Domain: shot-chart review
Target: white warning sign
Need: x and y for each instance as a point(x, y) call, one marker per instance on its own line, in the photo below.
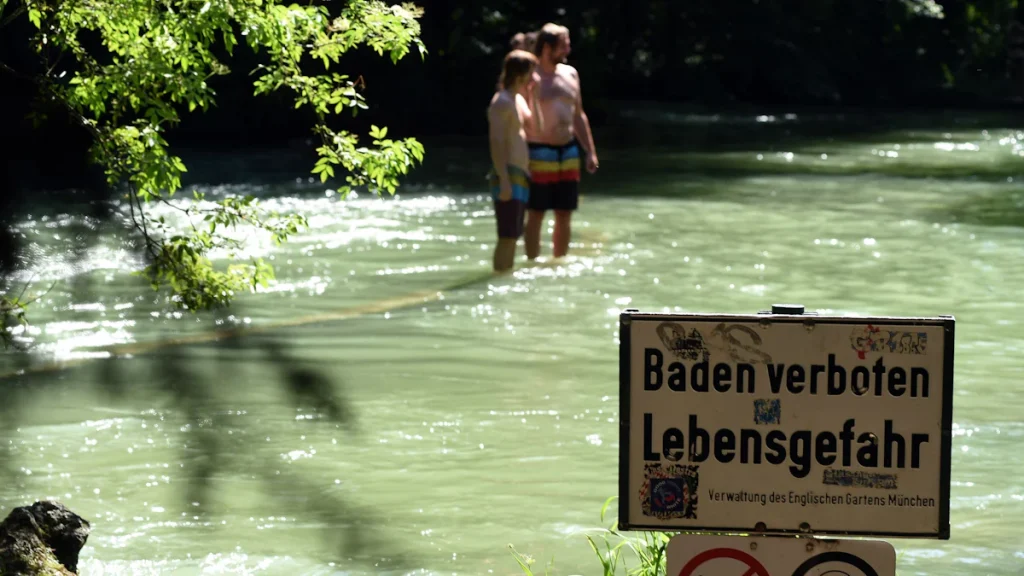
point(792, 423)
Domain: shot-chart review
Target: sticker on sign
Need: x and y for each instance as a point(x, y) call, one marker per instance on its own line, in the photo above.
point(786, 423)
point(698, 555)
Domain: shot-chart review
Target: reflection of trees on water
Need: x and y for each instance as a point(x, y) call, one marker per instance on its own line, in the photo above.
point(208, 451)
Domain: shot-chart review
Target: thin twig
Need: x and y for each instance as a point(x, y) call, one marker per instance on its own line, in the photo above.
point(12, 71)
point(186, 211)
point(142, 213)
point(60, 55)
point(43, 294)
point(25, 287)
point(135, 222)
point(178, 208)
point(10, 18)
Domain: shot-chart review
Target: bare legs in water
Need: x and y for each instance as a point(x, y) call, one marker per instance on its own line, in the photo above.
point(504, 255)
point(559, 238)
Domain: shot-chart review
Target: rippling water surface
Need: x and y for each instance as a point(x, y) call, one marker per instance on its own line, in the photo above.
point(484, 409)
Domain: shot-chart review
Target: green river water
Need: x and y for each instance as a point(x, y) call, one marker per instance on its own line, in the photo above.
point(485, 414)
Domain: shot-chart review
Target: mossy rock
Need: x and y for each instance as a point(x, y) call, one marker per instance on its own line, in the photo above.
point(43, 539)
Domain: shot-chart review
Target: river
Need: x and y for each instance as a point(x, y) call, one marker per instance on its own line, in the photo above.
point(435, 415)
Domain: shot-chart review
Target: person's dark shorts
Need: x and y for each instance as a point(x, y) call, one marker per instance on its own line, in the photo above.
point(554, 176)
point(510, 218)
point(509, 213)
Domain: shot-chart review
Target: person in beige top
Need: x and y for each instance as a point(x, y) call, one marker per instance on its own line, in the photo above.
point(560, 146)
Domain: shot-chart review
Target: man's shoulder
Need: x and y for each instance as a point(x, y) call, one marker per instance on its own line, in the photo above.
point(501, 102)
point(501, 107)
point(567, 69)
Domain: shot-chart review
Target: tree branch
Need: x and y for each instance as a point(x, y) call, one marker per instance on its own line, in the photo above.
point(32, 301)
point(10, 17)
point(13, 72)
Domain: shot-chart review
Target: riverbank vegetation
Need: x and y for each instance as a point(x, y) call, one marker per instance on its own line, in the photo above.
point(636, 554)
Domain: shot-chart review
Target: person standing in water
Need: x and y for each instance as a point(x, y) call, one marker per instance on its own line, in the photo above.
point(509, 115)
point(556, 149)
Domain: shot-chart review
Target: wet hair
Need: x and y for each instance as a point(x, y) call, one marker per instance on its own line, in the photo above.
point(517, 64)
point(549, 35)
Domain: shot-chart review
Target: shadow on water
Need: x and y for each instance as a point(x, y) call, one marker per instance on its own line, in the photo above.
point(673, 151)
point(666, 151)
point(177, 382)
point(725, 167)
point(645, 147)
point(998, 208)
point(213, 444)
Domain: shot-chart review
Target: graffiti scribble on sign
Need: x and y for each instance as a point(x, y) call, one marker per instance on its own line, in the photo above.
point(740, 352)
point(768, 411)
point(873, 339)
point(686, 345)
point(859, 479)
point(669, 491)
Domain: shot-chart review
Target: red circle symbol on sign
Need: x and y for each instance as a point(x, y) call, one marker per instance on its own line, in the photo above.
point(754, 568)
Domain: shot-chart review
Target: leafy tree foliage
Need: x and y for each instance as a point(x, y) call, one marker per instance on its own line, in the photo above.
point(127, 70)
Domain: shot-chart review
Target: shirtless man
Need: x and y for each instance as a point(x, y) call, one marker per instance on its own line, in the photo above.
point(556, 148)
point(508, 116)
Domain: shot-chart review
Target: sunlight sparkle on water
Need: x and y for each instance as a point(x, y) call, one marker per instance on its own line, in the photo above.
point(952, 146)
